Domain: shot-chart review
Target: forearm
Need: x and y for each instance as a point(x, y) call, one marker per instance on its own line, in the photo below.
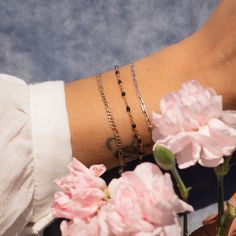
point(90, 129)
point(157, 75)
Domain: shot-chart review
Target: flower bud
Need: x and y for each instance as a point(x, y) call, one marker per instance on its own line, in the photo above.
point(163, 157)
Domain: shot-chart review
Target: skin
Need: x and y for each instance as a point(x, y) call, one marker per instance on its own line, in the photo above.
point(208, 55)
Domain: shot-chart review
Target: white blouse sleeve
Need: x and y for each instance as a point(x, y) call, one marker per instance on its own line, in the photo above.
point(35, 148)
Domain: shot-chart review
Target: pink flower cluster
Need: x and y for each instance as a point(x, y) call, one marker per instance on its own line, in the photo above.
point(193, 125)
point(83, 192)
point(139, 203)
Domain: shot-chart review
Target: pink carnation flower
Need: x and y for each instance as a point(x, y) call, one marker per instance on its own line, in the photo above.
point(83, 192)
point(143, 202)
point(193, 125)
point(79, 227)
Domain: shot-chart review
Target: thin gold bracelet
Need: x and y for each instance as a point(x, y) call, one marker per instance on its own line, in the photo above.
point(128, 109)
point(143, 107)
point(112, 125)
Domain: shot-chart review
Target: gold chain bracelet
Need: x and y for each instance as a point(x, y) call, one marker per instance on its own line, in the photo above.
point(128, 109)
point(112, 125)
point(143, 107)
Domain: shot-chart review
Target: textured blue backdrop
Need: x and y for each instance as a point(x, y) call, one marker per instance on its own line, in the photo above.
point(70, 39)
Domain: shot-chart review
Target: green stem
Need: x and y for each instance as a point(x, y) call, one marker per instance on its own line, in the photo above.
point(220, 194)
point(184, 193)
point(220, 172)
point(185, 233)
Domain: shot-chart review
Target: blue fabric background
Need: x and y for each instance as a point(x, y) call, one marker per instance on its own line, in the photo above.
point(70, 39)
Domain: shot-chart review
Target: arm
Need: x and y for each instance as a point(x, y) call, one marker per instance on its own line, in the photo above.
point(208, 55)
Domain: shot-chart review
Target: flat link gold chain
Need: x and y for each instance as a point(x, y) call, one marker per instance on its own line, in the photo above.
point(112, 124)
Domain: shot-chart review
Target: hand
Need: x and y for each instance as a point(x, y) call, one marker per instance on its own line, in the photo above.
point(210, 223)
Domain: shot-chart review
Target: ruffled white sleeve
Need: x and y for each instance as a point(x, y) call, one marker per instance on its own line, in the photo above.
point(35, 148)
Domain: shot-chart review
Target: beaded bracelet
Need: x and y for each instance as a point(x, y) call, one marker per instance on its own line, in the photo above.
point(128, 109)
point(143, 107)
point(112, 125)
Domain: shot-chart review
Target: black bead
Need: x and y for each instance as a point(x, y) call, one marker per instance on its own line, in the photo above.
point(133, 125)
point(139, 141)
point(123, 93)
point(119, 81)
point(117, 72)
point(127, 108)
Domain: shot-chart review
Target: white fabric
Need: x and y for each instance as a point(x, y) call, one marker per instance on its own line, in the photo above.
point(35, 148)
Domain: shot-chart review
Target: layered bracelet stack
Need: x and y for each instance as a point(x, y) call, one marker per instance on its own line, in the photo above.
point(139, 141)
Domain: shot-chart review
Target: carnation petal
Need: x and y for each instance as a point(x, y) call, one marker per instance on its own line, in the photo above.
point(148, 173)
point(179, 142)
point(210, 149)
point(82, 228)
point(224, 135)
point(173, 229)
point(147, 168)
point(97, 170)
point(210, 162)
point(188, 156)
point(229, 118)
point(221, 127)
point(209, 154)
point(64, 228)
point(156, 134)
point(184, 206)
point(215, 107)
point(155, 118)
point(84, 212)
point(77, 166)
point(166, 102)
